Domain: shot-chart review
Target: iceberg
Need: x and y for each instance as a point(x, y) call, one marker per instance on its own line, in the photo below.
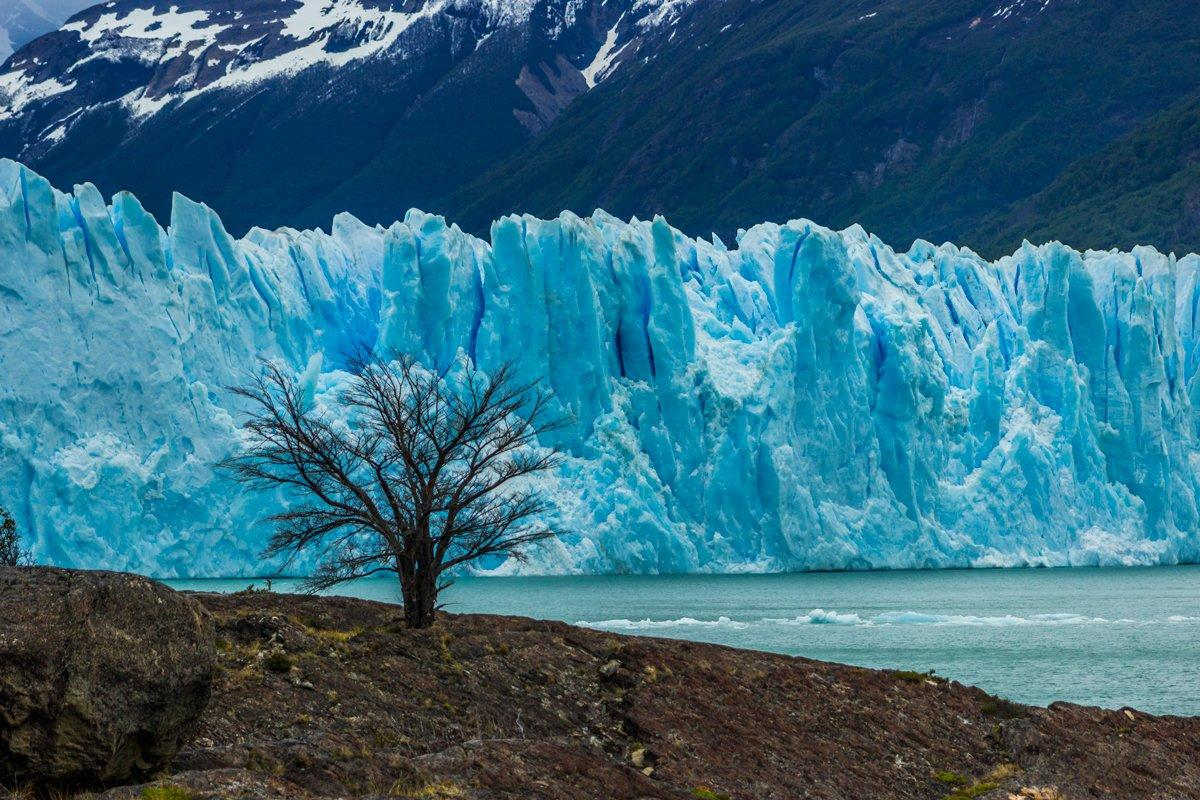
point(806, 399)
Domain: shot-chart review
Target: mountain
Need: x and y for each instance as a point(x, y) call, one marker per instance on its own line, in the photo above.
point(806, 399)
point(285, 111)
point(948, 120)
point(22, 21)
point(977, 121)
point(1145, 186)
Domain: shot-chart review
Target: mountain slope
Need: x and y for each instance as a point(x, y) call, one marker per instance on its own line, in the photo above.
point(285, 112)
point(1143, 187)
point(914, 119)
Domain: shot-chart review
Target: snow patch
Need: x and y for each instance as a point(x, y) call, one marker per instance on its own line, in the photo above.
point(596, 71)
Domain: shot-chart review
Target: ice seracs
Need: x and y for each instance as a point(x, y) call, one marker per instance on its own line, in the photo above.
point(805, 399)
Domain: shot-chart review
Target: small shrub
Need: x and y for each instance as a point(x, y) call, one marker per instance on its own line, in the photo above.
point(11, 554)
point(705, 793)
point(278, 661)
point(1001, 708)
point(255, 589)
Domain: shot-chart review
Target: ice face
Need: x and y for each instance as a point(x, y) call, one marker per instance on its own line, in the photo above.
point(810, 399)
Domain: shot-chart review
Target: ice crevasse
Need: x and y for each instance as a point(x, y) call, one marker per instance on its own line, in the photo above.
point(808, 399)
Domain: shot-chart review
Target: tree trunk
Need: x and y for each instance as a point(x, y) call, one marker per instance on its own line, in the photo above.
point(419, 587)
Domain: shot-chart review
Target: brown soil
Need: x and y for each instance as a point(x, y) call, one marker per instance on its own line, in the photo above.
point(331, 697)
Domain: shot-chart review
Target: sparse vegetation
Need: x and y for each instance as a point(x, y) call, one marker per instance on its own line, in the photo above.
point(967, 788)
point(1037, 793)
point(1003, 772)
point(31, 792)
point(437, 790)
point(972, 791)
point(165, 793)
point(952, 778)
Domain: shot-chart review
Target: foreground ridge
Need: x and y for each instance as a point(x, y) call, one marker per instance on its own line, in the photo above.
point(808, 399)
point(331, 697)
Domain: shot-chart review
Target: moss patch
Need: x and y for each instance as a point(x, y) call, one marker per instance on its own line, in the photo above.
point(165, 793)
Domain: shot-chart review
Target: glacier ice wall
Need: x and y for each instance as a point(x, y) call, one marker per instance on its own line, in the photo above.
point(808, 400)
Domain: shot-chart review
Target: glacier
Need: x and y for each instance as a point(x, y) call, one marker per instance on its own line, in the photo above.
point(806, 399)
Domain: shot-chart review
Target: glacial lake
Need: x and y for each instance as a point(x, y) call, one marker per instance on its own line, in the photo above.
point(1109, 637)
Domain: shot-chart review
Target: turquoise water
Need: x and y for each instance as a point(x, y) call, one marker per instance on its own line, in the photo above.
point(1109, 637)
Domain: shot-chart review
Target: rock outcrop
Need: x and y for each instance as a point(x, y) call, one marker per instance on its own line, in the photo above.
point(103, 676)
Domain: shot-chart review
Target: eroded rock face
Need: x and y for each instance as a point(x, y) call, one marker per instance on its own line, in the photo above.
point(102, 675)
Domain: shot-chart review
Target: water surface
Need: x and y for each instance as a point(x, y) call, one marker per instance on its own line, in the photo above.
point(1109, 637)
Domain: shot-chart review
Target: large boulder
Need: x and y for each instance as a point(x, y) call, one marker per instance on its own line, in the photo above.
point(103, 675)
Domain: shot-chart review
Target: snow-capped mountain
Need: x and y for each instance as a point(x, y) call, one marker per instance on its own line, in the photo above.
point(21, 21)
point(147, 54)
point(461, 80)
point(804, 399)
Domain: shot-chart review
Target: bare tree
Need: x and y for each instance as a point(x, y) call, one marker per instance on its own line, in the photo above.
point(421, 476)
point(11, 554)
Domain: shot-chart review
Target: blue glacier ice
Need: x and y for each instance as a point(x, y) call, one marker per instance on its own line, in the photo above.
point(810, 399)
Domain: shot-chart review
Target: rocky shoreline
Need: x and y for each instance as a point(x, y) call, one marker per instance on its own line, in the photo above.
point(334, 698)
